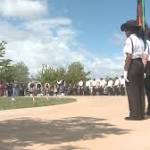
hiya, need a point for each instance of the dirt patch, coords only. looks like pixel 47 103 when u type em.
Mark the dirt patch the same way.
pixel 91 123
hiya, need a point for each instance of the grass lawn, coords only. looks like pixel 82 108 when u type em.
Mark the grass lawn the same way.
pixel 26 102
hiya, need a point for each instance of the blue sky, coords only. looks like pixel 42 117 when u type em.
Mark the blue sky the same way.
pixel 81 30
pixel 98 21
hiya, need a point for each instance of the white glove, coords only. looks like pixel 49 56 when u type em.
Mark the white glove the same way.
pixel 144 75
pixel 126 76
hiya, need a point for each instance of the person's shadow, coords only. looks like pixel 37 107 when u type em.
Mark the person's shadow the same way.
pixel 26 131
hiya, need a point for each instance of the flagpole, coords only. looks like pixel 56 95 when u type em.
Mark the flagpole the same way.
pixel 143 4
pixel 141 13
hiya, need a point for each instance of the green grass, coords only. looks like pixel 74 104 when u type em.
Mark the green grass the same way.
pixel 26 102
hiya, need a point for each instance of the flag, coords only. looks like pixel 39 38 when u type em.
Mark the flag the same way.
pixel 141 13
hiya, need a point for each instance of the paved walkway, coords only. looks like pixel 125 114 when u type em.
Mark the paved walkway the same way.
pixel 91 123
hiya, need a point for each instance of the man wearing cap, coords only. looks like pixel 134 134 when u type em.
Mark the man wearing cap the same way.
pixel 134 69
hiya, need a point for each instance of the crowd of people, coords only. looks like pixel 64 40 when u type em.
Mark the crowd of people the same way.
pixel 102 86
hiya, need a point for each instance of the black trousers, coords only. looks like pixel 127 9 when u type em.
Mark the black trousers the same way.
pixel 135 88
pixel 116 90
pixel 122 90
pixel 147 85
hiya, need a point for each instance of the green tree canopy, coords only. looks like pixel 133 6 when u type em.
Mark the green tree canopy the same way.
pixel 5 66
pixel 73 74
pixel 51 75
pixel 21 72
pixel 2 48
pixel 76 73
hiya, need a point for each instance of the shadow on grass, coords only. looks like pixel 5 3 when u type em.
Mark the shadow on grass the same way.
pixel 25 132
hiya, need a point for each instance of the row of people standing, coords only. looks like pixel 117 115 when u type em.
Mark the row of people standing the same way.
pixel 102 86
pixel 89 87
pixel 136 51
pixel 12 89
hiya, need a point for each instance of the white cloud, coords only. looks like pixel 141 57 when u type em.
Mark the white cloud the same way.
pixel 103 66
pixel 34 48
pixel 50 41
pixel 23 8
pixel 42 46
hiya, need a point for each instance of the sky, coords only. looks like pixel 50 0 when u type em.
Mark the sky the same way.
pixel 59 32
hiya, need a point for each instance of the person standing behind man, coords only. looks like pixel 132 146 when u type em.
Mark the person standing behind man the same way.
pixel 147 69
pixel 103 85
pixel 134 69
pixel 80 88
pixel 94 86
pixel 116 86
pixel 110 86
pixel 98 87
pixel 122 85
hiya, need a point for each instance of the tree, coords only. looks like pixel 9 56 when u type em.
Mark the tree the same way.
pixel 7 72
pixel 2 49
pixel 5 66
pixel 61 73
pixel 51 75
pixel 73 75
pixel 76 73
pixel 20 72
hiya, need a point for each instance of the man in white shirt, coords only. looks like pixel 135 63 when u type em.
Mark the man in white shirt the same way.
pixel 103 86
pixel 134 69
pixel 80 83
pixel 110 86
pixel 117 86
pixel 87 88
pixel 80 88
pixel 122 86
pixel 98 86
pixel 91 87
pixel 94 86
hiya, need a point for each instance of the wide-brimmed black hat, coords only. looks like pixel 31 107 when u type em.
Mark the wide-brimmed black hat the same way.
pixel 130 24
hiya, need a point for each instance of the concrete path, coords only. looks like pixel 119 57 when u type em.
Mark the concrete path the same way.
pixel 91 123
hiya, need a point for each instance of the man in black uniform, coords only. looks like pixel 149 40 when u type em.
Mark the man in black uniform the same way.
pixel 134 69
